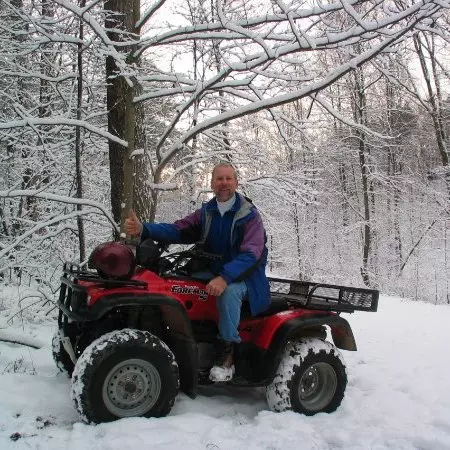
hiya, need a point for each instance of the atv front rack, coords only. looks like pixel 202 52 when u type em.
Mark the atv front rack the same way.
pixel 326 297
pixel 73 295
pixel 74 272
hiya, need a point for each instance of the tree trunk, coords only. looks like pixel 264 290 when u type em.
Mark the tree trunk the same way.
pixel 360 117
pixel 434 98
pixel 393 173
pixel 121 109
pixel 78 143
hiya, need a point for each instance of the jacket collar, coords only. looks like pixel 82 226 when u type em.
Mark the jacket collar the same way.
pixel 212 204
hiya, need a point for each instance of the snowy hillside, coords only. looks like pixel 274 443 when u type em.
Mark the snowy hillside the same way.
pixel 398 397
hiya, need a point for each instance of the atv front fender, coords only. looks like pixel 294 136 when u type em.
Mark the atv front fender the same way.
pixel 177 329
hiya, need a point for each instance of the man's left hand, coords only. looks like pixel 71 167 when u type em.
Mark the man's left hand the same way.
pixel 216 286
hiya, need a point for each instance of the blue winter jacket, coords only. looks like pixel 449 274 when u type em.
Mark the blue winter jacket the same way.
pixel 238 236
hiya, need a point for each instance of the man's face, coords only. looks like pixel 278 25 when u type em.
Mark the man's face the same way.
pixel 224 183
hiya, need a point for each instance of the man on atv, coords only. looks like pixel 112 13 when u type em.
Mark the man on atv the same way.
pixel 228 225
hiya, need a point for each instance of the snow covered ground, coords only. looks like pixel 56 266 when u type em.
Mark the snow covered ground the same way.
pixel 398 397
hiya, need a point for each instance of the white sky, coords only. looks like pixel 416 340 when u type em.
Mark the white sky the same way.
pixel 398 396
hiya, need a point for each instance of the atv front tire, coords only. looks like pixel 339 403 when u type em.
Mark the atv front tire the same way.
pixel 125 373
pixel 62 359
pixel 311 378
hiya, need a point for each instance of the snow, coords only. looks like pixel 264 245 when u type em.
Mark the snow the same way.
pixel 397 397
pixel 162 186
pixel 58 198
pixel 99 209
pixel 137 152
pixel 8 336
pixel 61 120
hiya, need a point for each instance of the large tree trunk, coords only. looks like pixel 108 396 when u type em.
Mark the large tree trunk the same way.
pixel 121 109
pixel 78 142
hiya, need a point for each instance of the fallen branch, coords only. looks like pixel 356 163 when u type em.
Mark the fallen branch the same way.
pixel 21 340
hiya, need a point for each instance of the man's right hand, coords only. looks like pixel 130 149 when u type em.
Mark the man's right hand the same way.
pixel 132 226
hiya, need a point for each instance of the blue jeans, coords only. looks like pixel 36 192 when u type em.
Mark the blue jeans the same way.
pixel 229 307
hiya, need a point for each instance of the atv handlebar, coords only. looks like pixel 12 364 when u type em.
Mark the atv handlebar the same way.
pixel 196 252
pixel 182 262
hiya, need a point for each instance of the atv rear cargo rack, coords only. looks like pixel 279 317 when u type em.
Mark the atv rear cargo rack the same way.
pixel 322 296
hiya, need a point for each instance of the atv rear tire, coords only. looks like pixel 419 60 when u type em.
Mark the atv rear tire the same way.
pixel 311 378
pixel 60 356
pixel 125 373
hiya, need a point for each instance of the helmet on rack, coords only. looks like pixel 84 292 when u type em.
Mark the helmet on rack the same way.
pixel 113 260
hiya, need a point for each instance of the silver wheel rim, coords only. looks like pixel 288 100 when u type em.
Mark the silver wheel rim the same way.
pixel 317 386
pixel 131 388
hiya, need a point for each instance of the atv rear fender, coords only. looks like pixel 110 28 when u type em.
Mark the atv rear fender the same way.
pixel 341 331
pixel 297 328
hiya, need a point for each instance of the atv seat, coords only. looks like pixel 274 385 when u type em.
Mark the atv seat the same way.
pixel 277 304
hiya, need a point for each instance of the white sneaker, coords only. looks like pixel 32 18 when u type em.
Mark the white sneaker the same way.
pixel 221 373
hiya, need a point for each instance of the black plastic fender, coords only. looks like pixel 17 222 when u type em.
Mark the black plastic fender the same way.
pixel 180 337
pixel 341 333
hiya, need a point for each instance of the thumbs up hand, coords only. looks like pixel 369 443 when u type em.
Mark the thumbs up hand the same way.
pixel 132 225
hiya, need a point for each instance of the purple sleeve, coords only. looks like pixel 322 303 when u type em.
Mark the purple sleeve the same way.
pixel 190 228
pixel 250 251
pixel 191 220
pixel 253 240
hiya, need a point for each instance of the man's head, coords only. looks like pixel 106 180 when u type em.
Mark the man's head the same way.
pixel 224 181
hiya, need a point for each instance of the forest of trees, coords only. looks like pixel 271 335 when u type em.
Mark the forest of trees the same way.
pixel 335 115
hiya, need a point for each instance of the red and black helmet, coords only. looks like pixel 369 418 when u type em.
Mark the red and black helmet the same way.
pixel 113 260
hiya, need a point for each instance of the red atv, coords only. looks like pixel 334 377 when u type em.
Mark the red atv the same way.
pixel 132 337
